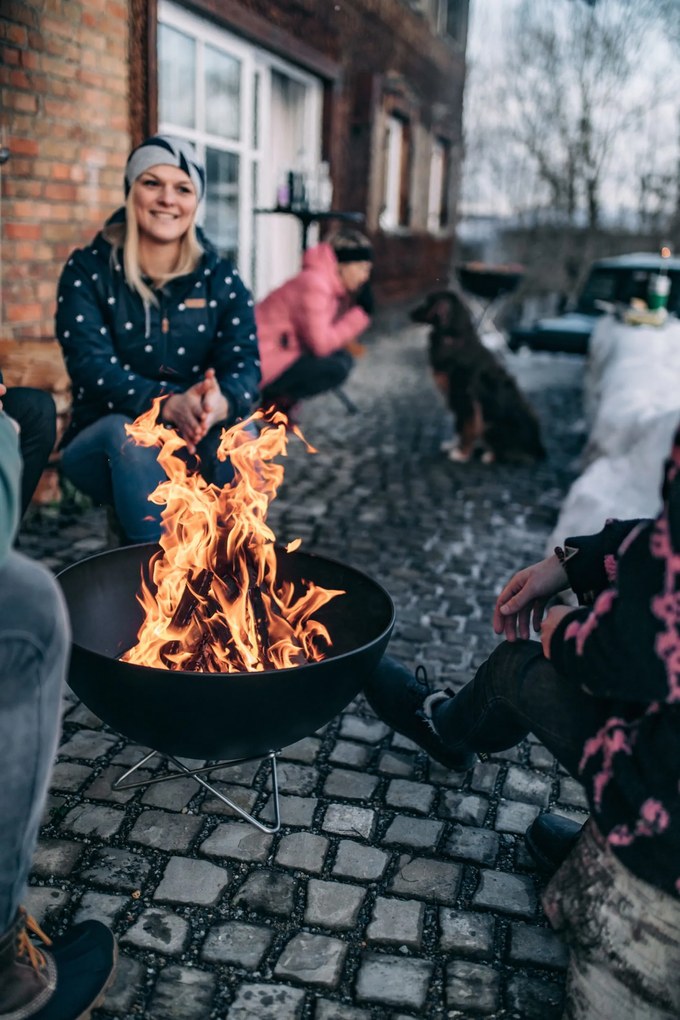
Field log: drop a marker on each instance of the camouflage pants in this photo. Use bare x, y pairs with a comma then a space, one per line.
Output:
623, 936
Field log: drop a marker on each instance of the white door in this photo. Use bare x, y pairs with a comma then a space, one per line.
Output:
252, 117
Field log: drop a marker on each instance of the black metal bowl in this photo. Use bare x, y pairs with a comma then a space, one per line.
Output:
217, 715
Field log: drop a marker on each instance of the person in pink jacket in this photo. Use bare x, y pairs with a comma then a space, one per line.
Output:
305, 325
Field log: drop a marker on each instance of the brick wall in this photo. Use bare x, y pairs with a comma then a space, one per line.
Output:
64, 95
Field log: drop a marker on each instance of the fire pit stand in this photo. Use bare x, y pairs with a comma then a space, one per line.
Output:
197, 774
218, 718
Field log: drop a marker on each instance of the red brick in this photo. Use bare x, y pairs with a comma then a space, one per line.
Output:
24, 146
22, 312
22, 231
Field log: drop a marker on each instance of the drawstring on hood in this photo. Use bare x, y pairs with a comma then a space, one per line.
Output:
147, 319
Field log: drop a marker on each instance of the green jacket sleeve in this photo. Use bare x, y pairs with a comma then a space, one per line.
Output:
10, 481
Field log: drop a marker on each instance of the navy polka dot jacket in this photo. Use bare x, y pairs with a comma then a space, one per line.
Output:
121, 353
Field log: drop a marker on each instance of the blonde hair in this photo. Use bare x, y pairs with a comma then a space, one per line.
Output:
126, 236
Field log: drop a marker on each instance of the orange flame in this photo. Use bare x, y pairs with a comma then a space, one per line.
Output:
214, 602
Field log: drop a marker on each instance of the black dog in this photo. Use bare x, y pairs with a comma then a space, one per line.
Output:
489, 410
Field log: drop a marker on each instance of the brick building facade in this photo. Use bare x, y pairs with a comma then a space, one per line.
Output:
83, 79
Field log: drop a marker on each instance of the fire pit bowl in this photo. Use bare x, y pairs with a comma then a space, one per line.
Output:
217, 715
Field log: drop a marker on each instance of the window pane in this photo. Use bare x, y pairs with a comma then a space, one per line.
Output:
222, 201
177, 77
222, 94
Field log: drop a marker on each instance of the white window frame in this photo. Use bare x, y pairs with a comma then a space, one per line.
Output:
254, 60
394, 142
438, 159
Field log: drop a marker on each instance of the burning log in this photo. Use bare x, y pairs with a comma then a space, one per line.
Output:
214, 603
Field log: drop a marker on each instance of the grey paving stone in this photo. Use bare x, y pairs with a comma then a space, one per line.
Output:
535, 1000
304, 750
165, 830
68, 775
267, 891
514, 816
240, 841
369, 730
393, 764
538, 946
297, 779
173, 795
183, 993
484, 776
56, 857
442, 776
397, 922
186, 880
509, 894
467, 808
471, 844
540, 757
426, 878
127, 981
312, 960
472, 986
325, 1009
530, 787
242, 774
393, 980
241, 796
345, 752
349, 784
88, 744
94, 820
409, 796
102, 787
333, 905
97, 906
42, 902
302, 850
243, 945
159, 930
419, 833
294, 811
466, 934
266, 1002
348, 820
572, 792
354, 860
117, 869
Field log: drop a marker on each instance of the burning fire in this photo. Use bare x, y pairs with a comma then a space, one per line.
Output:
214, 603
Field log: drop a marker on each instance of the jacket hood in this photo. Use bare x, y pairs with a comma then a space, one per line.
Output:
321, 259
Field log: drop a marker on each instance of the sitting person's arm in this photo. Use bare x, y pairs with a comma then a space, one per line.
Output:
318, 320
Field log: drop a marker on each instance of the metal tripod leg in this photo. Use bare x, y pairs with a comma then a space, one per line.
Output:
195, 774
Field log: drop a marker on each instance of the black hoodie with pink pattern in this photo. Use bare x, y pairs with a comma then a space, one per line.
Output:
624, 648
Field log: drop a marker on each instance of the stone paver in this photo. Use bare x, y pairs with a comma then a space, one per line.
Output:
395, 887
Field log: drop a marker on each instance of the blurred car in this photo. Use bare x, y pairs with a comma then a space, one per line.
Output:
611, 281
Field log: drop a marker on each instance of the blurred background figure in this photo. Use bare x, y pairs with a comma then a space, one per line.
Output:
306, 325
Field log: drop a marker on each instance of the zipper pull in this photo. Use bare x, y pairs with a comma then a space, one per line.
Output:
165, 325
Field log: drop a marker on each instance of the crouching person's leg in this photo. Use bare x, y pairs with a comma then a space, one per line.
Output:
514, 692
623, 936
34, 645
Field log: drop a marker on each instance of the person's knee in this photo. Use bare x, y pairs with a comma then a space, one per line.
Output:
35, 411
508, 662
32, 603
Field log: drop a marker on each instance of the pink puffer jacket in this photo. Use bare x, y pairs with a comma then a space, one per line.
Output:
308, 314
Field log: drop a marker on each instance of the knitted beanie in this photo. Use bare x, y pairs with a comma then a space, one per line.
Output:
164, 150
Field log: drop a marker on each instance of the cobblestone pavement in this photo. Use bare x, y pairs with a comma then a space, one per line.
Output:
394, 888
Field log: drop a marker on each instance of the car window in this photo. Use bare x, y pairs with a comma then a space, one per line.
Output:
622, 285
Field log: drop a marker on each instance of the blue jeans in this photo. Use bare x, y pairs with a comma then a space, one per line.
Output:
103, 462
34, 647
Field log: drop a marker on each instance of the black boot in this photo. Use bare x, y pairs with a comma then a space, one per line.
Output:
404, 701
28, 977
550, 839
65, 982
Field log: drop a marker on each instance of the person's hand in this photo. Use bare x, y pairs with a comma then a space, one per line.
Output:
3, 390
524, 598
364, 298
215, 404
552, 618
185, 412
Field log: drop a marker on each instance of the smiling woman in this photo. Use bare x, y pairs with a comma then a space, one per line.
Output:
150, 310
